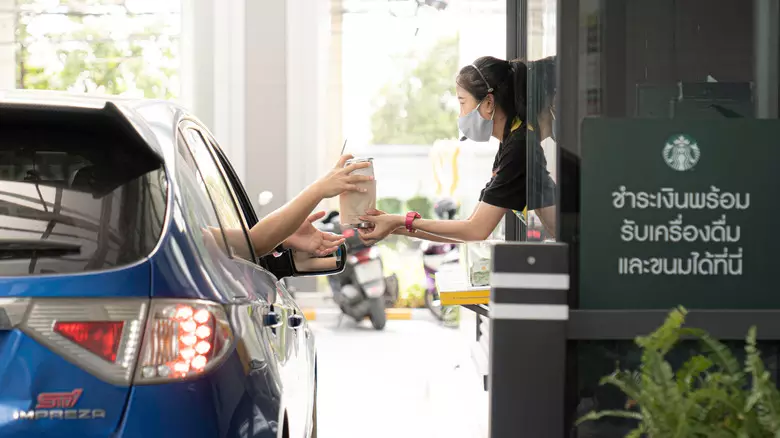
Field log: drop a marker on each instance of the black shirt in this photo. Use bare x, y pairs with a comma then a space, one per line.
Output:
509, 185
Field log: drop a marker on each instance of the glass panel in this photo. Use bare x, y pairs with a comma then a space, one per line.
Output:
542, 148
203, 226
672, 209
665, 97
220, 195
66, 206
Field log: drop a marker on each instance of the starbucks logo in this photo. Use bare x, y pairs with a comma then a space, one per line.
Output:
681, 152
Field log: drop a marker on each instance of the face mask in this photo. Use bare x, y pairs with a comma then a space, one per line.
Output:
474, 127
554, 126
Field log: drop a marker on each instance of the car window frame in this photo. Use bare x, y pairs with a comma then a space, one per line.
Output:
239, 190
182, 128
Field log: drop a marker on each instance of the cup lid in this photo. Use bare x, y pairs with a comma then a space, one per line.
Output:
358, 160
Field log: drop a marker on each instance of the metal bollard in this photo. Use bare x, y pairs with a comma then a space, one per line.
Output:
528, 315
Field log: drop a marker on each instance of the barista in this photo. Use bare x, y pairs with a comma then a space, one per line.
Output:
493, 99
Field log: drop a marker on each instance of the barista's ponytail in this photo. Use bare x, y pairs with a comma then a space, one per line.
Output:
519, 96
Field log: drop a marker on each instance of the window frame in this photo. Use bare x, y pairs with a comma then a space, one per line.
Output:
182, 128
241, 196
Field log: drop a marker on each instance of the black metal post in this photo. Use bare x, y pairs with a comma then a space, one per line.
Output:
529, 313
516, 47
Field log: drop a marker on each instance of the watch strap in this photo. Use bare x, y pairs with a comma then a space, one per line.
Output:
410, 217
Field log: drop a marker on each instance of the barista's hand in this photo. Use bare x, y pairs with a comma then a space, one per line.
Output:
339, 180
309, 239
383, 225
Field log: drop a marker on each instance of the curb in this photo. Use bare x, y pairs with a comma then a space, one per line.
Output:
315, 314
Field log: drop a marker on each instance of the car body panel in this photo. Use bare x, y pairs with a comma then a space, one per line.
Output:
28, 370
131, 281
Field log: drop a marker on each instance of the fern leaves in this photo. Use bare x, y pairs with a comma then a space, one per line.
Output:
711, 395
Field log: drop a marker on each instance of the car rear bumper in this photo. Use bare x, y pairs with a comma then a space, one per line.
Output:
228, 402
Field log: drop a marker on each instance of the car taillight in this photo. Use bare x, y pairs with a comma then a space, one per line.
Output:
99, 337
103, 336
182, 339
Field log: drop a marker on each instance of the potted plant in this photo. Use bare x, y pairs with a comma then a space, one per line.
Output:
711, 395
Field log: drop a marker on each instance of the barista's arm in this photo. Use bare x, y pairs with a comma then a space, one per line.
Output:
425, 236
428, 236
477, 227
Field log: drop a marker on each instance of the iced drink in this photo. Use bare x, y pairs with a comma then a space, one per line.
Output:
355, 204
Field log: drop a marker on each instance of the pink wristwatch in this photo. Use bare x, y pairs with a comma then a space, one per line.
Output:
410, 217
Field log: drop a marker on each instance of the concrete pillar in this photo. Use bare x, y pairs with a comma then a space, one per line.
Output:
335, 134
256, 74
307, 71
7, 44
266, 100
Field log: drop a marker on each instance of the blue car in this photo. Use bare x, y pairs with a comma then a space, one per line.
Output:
124, 309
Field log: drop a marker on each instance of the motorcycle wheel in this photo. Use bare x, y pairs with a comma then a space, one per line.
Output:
376, 309
435, 308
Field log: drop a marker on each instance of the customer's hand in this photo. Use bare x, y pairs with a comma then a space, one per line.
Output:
310, 240
382, 225
339, 180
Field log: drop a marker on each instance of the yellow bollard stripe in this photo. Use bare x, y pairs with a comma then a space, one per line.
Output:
392, 314
399, 314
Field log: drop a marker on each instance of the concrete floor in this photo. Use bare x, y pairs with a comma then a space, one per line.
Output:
415, 379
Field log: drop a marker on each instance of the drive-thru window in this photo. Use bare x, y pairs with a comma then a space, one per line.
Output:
665, 160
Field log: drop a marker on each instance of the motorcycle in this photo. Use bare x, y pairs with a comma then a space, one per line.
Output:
361, 290
437, 256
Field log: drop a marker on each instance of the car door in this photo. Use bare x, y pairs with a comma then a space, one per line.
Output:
290, 331
302, 341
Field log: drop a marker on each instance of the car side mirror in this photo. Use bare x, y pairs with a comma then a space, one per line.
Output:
305, 265
296, 264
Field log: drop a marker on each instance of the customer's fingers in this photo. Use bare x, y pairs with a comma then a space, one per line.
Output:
355, 166
343, 160
358, 178
374, 212
327, 251
315, 216
333, 240
354, 188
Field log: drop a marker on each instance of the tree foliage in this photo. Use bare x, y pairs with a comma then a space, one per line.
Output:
98, 46
420, 108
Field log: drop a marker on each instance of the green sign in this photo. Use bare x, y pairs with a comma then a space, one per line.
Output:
680, 212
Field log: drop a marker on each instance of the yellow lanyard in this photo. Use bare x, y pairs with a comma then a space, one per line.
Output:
523, 216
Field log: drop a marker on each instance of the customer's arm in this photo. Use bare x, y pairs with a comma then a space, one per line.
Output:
273, 229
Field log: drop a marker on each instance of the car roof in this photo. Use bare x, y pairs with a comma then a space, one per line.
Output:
154, 120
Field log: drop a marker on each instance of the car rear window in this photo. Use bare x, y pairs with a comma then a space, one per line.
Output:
79, 191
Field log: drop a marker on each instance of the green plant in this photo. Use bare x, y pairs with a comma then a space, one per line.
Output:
390, 205
420, 107
86, 52
412, 297
421, 205
711, 395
